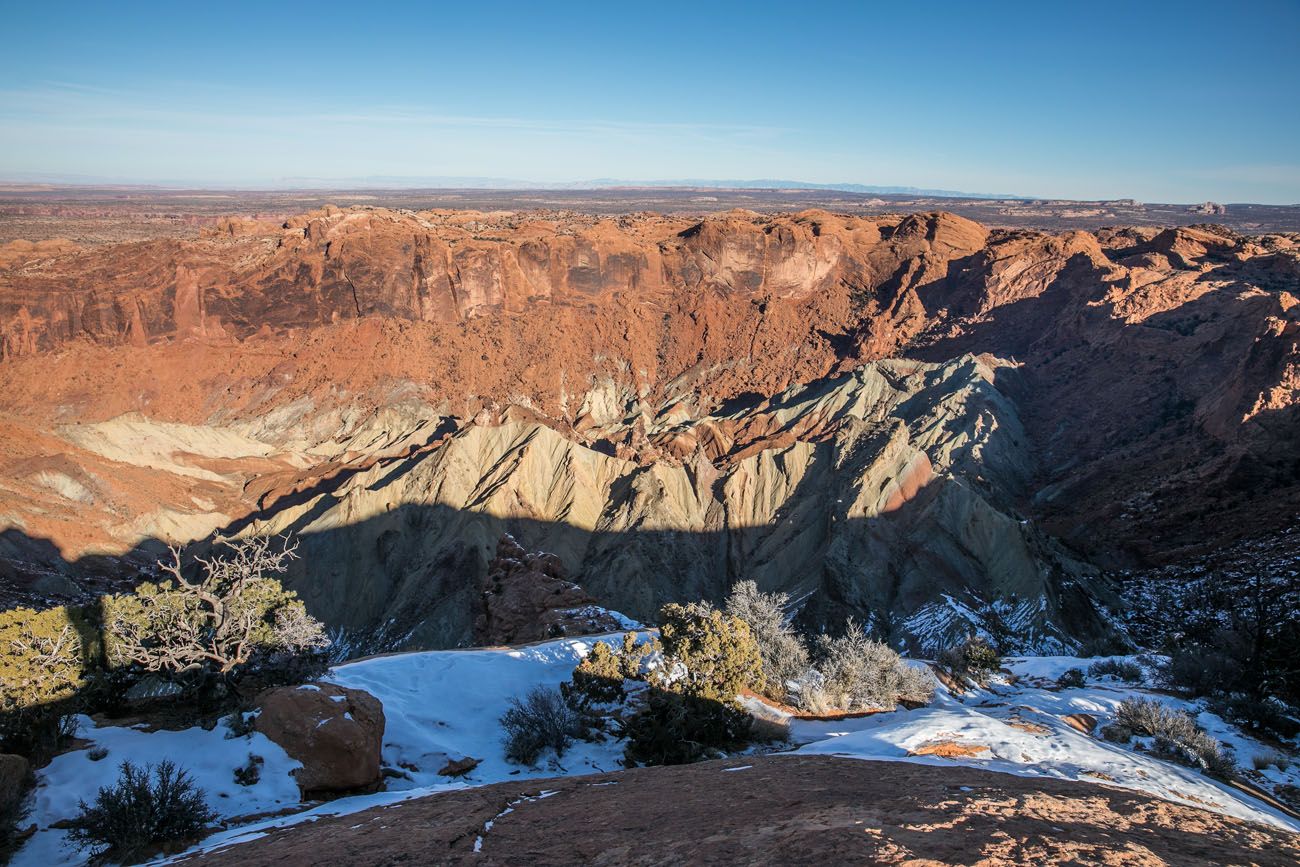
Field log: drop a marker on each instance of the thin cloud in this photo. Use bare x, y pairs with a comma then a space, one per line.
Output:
73, 103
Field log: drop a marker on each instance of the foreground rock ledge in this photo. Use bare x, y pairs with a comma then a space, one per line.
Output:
778, 810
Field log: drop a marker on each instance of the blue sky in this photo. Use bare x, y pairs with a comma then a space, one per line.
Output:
1161, 102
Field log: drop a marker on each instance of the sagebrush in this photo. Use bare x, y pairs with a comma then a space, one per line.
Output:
782, 651
541, 721
145, 809
854, 672
1176, 735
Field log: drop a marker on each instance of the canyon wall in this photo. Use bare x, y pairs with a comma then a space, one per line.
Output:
910, 419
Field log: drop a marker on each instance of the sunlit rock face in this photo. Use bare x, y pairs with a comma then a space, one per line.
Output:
868, 495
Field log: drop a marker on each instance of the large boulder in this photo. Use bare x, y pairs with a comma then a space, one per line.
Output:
15, 774
337, 733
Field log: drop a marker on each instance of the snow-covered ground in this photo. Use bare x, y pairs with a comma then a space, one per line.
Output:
445, 705
1022, 729
210, 757
438, 706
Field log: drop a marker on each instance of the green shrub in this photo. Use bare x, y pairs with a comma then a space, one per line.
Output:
708, 654
542, 720
44, 657
145, 809
783, 652
1120, 669
1072, 678
674, 729
687, 709
599, 678
45, 660
974, 659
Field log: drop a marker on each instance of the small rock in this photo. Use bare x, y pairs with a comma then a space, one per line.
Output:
1084, 722
460, 767
150, 688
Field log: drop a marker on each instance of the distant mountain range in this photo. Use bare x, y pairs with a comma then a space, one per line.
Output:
450, 182
778, 184
493, 183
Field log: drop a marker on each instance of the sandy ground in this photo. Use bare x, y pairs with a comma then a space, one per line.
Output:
776, 810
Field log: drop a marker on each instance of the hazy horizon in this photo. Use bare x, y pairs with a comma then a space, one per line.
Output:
1161, 102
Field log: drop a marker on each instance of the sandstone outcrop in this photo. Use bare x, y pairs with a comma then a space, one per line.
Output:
527, 597
336, 732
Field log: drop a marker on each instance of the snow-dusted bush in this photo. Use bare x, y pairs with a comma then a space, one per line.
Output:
784, 654
249, 773
1120, 669
1071, 678
240, 724
542, 720
855, 672
974, 659
1177, 736
146, 807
